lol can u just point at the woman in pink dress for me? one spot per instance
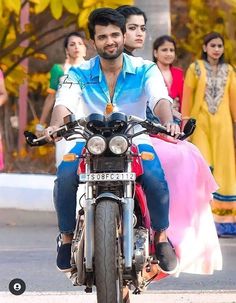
(189, 179)
(3, 99)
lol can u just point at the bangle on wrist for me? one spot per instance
(39, 127)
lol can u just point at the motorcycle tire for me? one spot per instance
(108, 269)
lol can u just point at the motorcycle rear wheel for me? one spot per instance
(108, 270)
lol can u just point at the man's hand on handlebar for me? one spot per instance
(173, 129)
(51, 135)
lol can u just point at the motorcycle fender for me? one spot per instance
(106, 196)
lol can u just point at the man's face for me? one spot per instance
(109, 41)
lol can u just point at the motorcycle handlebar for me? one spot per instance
(152, 127)
(33, 140)
(158, 128)
(71, 123)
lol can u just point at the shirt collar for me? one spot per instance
(96, 72)
(128, 52)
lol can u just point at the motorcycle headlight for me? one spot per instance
(118, 145)
(96, 145)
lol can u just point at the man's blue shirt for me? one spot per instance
(85, 89)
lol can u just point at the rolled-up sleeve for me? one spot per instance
(155, 87)
(69, 93)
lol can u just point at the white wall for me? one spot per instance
(26, 191)
(29, 192)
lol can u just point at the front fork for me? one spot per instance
(128, 208)
(127, 211)
(89, 224)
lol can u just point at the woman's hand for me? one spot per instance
(176, 104)
(173, 129)
(176, 114)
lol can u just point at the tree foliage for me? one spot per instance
(48, 20)
(17, 44)
(202, 17)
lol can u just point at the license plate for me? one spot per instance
(107, 177)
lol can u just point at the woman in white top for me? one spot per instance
(75, 51)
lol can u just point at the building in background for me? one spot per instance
(159, 22)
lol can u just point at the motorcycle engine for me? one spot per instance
(141, 247)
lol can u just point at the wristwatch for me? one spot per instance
(39, 127)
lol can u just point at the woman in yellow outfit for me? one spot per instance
(210, 97)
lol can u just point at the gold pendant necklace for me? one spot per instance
(109, 108)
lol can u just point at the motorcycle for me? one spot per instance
(113, 243)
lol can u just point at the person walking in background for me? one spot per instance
(3, 100)
(189, 179)
(210, 97)
(75, 51)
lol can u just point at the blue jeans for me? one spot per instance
(156, 190)
(153, 182)
(65, 192)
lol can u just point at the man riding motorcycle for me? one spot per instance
(114, 81)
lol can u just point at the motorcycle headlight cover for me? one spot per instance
(118, 145)
(96, 145)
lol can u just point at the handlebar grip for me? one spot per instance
(32, 140)
(154, 128)
(188, 128)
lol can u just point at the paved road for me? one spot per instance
(27, 251)
(177, 297)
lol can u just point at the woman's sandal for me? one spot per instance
(126, 299)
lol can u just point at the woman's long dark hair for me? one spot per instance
(160, 41)
(77, 34)
(207, 38)
(129, 10)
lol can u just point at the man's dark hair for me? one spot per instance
(206, 39)
(104, 17)
(77, 34)
(129, 10)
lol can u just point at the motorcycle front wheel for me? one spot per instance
(108, 268)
